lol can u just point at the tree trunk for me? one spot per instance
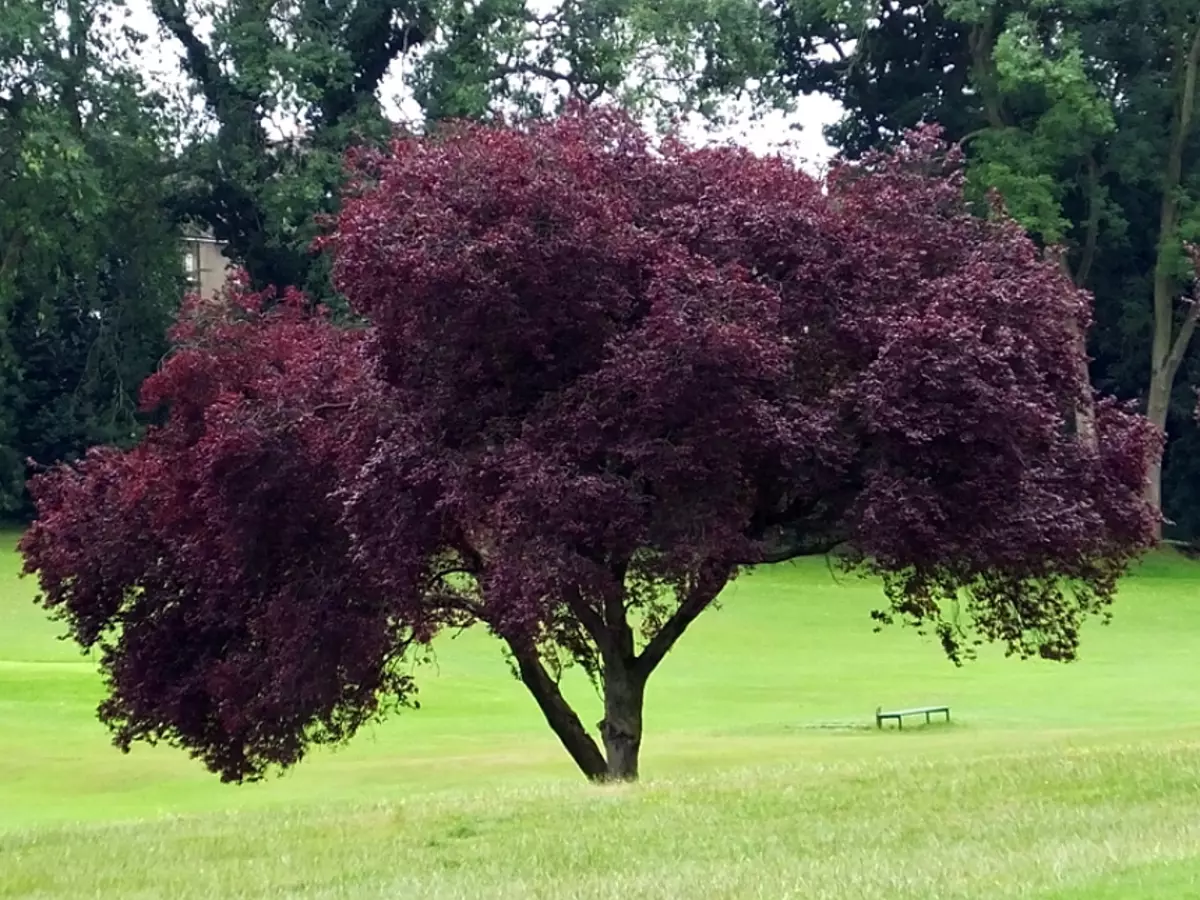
(621, 727)
(1169, 346)
(1157, 403)
(1085, 410)
(624, 673)
(1085, 403)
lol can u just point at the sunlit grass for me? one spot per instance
(765, 776)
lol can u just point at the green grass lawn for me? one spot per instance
(764, 774)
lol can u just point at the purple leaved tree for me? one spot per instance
(598, 378)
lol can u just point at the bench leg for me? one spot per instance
(926, 718)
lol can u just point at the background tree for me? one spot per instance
(90, 269)
(1083, 115)
(312, 70)
(663, 59)
(599, 380)
(286, 88)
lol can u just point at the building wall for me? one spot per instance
(206, 267)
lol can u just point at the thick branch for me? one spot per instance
(588, 617)
(800, 527)
(699, 598)
(782, 544)
(332, 407)
(200, 64)
(981, 40)
(372, 41)
(1182, 339)
(403, 38)
(577, 86)
(79, 22)
(559, 715)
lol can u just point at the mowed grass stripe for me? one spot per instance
(766, 777)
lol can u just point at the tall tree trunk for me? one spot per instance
(1085, 404)
(621, 727)
(1158, 402)
(1170, 345)
(1085, 410)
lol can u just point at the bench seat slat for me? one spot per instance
(915, 711)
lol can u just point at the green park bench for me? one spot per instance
(899, 714)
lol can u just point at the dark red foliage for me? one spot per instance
(210, 563)
(599, 377)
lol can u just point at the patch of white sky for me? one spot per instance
(796, 133)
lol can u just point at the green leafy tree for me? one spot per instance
(314, 69)
(660, 58)
(1081, 113)
(309, 67)
(89, 264)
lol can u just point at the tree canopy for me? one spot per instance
(600, 377)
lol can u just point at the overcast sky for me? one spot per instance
(797, 134)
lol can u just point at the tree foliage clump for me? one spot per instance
(1085, 116)
(600, 378)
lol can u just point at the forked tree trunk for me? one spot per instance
(1170, 345)
(624, 673)
(620, 729)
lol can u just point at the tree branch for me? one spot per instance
(573, 82)
(781, 545)
(453, 602)
(1183, 338)
(711, 581)
(981, 42)
(591, 621)
(800, 527)
(331, 407)
(559, 715)
(373, 42)
(199, 62)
